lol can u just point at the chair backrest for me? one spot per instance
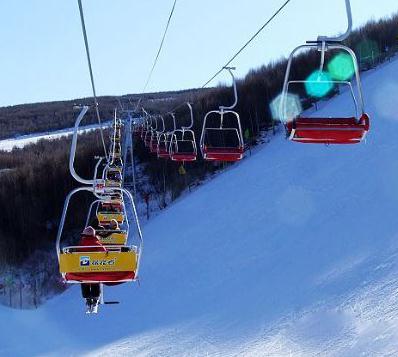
(222, 138)
(220, 135)
(183, 141)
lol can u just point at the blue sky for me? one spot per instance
(42, 50)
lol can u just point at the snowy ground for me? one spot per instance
(292, 252)
(23, 140)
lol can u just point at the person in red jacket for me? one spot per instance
(91, 292)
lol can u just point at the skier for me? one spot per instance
(91, 291)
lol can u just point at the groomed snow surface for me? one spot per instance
(24, 140)
(292, 252)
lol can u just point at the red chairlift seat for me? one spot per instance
(223, 154)
(182, 148)
(328, 130)
(183, 156)
(163, 153)
(222, 144)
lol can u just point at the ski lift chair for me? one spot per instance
(110, 203)
(116, 154)
(183, 144)
(164, 140)
(117, 136)
(117, 124)
(112, 237)
(112, 167)
(118, 163)
(136, 122)
(153, 142)
(106, 215)
(163, 145)
(220, 142)
(161, 141)
(113, 178)
(116, 150)
(148, 134)
(327, 130)
(145, 125)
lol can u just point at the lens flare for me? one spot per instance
(291, 108)
(341, 67)
(318, 84)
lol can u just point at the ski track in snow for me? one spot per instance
(292, 252)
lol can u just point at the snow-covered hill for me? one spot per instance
(23, 140)
(292, 252)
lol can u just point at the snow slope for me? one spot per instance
(292, 252)
(22, 141)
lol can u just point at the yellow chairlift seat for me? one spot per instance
(114, 168)
(113, 183)
(106, 217)
(79, 264)
(111, 205)
(115, 237)
(114, 196)
(112, 201)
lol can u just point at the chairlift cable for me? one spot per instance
(160, 47)
(248, 42)
(276, 13)
(91, 74)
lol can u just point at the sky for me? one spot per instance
(42, 49)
